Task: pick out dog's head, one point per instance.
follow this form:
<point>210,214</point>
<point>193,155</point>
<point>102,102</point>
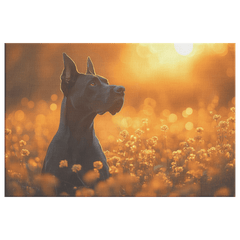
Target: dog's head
<point>90,90</point>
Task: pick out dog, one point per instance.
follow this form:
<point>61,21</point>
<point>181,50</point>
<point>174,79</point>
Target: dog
<point>85,96</point>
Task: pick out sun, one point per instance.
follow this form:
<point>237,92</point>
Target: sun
<point>183,48</point>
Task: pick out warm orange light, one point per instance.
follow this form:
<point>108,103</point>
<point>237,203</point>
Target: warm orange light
<point>166,60</point>
<point>220,48</point>
<point>174,128</point>
<point>14,138</point>
<point>172,117</point>
<point>24,101</point>
<point>25,137</point>
<point>54,97</point>
<point>148,110</point>
<point>150,102</point>
<point>222,192</point>
<point>19,115</point>
<point>189,111</point>
<point>111,138</point>
<point>165,53</point>
<point>166,113</point>
<point>215,99</point>
<point>29,126</point>
<point>53,106</point>
<point>19,130</point>
<point>40,119</point>
<point>136,123</point>
<point>189,125</point>
<point>126,122</point>
<point>184,114</point>
<point>32,164</point>
<point>42,105</point>
<point>230,72</point>
<point>30,104</point>
<point>45,132</point>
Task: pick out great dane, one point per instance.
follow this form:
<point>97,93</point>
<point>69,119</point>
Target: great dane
<point>85,96</point>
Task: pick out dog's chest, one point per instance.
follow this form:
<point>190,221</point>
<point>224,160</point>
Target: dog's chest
<point>85,152</point>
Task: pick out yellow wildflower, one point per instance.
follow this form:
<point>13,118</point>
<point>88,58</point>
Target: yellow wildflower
<point>76,168</point>
<point>164,128</point>
<point>98,165</point>
<point>22,143</point>
<point>25,152</point>
<point>63,163</point>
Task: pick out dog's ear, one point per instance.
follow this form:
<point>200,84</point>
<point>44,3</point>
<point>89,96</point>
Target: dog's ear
<point>69,74</point>
<point>90,68</point>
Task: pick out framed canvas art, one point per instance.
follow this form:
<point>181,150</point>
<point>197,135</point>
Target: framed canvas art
<point>120,120</point>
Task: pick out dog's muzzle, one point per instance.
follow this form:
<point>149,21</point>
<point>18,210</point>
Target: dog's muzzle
<point>119,90</point>
<point>118,99</point>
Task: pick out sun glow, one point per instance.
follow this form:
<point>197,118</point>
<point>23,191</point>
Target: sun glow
<point>166,59</point>
<point>183,48</point>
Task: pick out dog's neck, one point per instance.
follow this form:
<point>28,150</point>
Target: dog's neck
<point>78,121</point>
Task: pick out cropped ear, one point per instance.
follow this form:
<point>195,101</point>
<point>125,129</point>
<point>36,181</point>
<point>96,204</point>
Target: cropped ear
<point>69,74</point>
<point>90,68</point>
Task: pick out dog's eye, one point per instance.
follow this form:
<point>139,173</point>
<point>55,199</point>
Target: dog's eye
<point>93,84</point>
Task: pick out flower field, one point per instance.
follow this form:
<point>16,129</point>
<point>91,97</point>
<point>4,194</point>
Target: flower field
<point>150,152</point>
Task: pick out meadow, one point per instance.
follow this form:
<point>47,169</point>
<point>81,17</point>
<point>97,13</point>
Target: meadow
<point>150,152</point>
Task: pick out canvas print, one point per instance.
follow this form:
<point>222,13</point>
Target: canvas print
<point>120,120</point>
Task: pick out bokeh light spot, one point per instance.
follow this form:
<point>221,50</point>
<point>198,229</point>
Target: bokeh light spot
<point>116,119</point>
<point>54,97</point>
<point>189,111</point>
<point>126,122</point>
<point>24,101</point>
<point>25,137</point>
<point>150,102</point>
<point>215,99</point>
<point>220,48</point>
<point>172,117</point>
<point>19,115</point>
<point>189,126</point>
<point>184,114</point>
<point>30,104</point>
<point>111,138</point>
<point>136,123</point>
<point>53,106</point>
<point>222,192</point>
<point>166,113</point>
<point>19,130</point>
<point>148,110</point>
<point>40,119</point>
<point>14,138</point>
<point>32,164</point>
